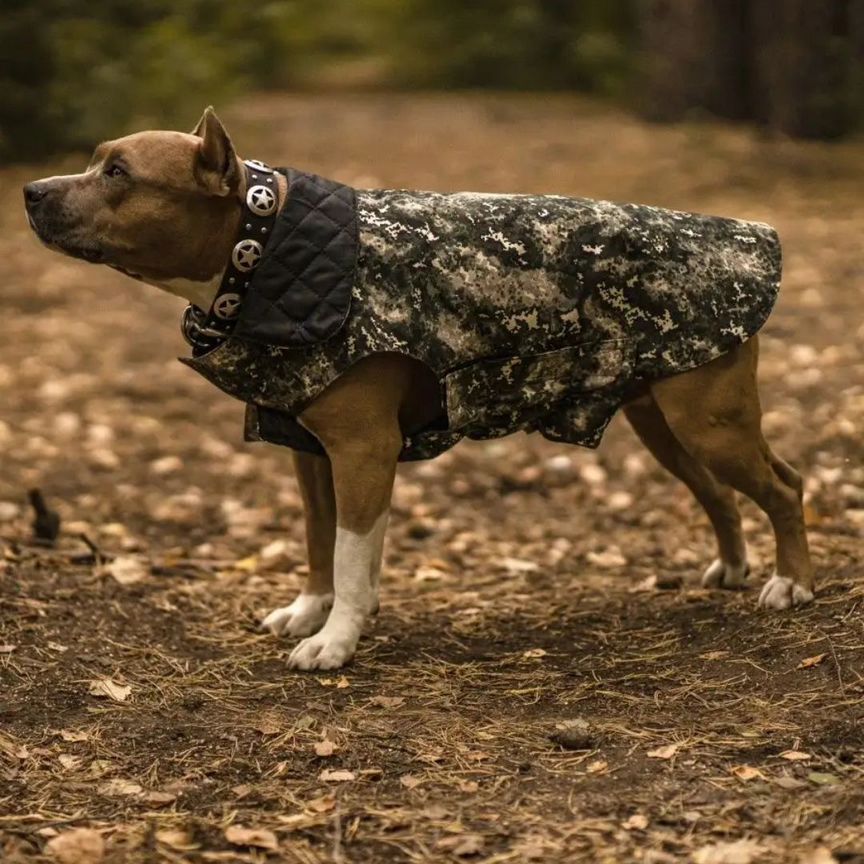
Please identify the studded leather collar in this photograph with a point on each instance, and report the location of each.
(206, 330)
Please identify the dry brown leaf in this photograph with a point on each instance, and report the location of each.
(127, 569)
(105, 688)
(637, 822)
(409, 781)
(260, 838)
(269, 724)
(119, 786)
(665, 752)
(462, 845)
(156, 797)
(322, 804)
(78, 846)
(74, 735)
(324, 748)
(176, 839)
(387, 701)
(820, 855)
(338, 683)
(469, 787)
(339, 775)
(597, 766)
(13, 749)
(534, 653)
(747, 772)
(69, 763)
(809, 662)
(739, 852)
(795, 755)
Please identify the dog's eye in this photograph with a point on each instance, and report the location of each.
(115, 170)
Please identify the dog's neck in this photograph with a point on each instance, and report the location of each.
(201, 293)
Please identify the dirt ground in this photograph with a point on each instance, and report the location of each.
(139, 702)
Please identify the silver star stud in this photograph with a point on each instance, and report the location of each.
(227, 306)
(261, 200)
(246, 255)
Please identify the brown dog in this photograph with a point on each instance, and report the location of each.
(166, 207)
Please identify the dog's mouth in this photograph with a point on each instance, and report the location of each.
(126, 272)
(93, 253)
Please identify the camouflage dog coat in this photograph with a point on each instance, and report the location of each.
(536, 313)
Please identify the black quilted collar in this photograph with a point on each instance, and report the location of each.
(300, 293)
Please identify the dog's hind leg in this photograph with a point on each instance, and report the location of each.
(714, 413)
(730, 569)
(308, 612)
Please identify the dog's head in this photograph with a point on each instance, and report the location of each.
(157, 205)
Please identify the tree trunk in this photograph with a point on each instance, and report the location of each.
(797, 66)
(803, 65)
(695, 58)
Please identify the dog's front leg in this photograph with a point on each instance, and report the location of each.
(363, 472)
(309, 610)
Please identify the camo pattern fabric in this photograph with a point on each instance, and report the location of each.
(536, 312)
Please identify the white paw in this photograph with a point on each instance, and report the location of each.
(306, 615)
(723, 575)
(323, 651)
(781, 592)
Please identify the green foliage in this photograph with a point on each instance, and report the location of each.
(582, 44)
(76, 71)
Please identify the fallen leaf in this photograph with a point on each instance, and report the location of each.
(337, 776)
(665, 752)
(597, 766)
(79, 846)
(13, 749)
(269, 724)
(638, 822)
(821, 779)
(469, 787)
(820, 855)
(322, 804)
(747, 772)
(387, 701)
(127, 569)
(69, 763)
(809, 662)
(108, 689)
(787, 782)
(795, 755)
(176, 838)
(338, 683)
(462, 845)
(260, 838)
(739, 852)
(534, 653)
(519, 565)
(156, 797)
(242, 790)
(74, 735)
(324, 748)
(409, 781)
(118, 786)
(608, 559)
(714, 655)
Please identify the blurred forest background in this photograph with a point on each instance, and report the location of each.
(75, 71)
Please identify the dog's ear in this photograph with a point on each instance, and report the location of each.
(216, 161)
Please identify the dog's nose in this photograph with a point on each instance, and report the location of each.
(34, 192)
